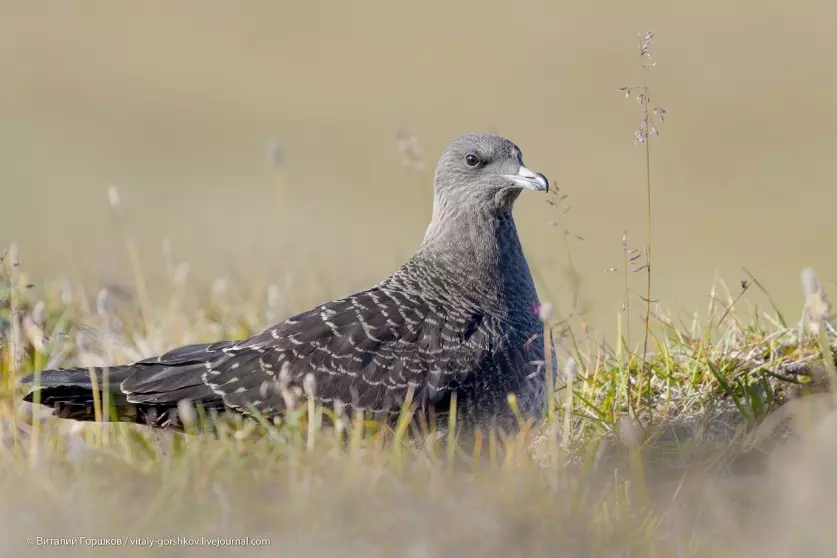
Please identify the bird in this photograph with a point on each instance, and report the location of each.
(460, 316)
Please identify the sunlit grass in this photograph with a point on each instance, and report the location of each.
(589, 481)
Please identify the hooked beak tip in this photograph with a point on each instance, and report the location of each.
(529, 179)
(543, 182)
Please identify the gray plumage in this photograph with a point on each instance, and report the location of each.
(458, 316)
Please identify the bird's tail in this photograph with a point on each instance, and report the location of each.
(78, 392)
(148, 391)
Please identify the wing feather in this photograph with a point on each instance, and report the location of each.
(365, 350)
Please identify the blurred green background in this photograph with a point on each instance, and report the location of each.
(175, 104)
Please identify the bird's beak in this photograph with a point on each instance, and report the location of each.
(526, 178)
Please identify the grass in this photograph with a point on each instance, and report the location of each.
(722, 393)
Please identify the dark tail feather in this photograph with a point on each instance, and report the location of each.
(75, 386)
(71, 391)
(147, 391)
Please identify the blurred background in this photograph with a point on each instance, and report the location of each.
(261, 137)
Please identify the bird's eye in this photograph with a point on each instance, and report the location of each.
(472, 160)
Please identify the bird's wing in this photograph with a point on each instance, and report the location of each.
(365, 350)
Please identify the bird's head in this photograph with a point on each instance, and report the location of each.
(483, 172)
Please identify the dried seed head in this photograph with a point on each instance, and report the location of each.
(817, 306)
(640, 137)
(34, 334)
(274, 299)
(264, 388)
(285, 376)
(187, 413)
(309, 384)
(409, 149)
(290, 398)
(66, 292)
(645, 44)
(274, 295)
(102, 302)
(38, 312)
(570, 370)
(219, 287)
(14, 255)
(113, 196)
(181, 273)
(545, 312)
(275, 153)
(288, 392)
(340, 418)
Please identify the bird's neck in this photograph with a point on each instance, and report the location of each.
(482, 254)
(470, 238)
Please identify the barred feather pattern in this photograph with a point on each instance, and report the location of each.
(427, 328)
(459, 316)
